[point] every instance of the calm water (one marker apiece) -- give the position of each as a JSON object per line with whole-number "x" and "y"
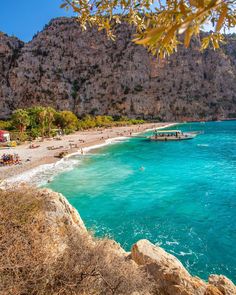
{"x": 184, "y": 199}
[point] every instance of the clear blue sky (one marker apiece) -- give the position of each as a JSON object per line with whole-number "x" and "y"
{"x": 24, "y": 18}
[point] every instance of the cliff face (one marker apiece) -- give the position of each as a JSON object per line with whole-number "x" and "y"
{"x": 9, "y": 52}
{"x": 46, "y": 249}
{"x": 86, "y": 73}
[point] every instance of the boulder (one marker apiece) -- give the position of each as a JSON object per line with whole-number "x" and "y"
{"x": 171, "y": 275}
{"x": 223, "y": 284}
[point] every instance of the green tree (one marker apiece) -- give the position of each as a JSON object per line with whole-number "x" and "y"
{"x": 67, "y": 120}
{"x": 103, "y": 120}
{"x": 159, "y": 24}
{"x": 33, "y": 113}
{"x": 89, "y": 121}
{"x": 20, "y": 119}
{"x": 46, "y": 120}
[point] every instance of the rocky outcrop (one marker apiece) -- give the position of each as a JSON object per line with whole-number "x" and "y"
{"x": 45, "y": 249}
{"x": 172, "y": 277}
{"x": 86, "y": 73}
{"x": 53, "y": 253}
{"x": 224, "y": 285}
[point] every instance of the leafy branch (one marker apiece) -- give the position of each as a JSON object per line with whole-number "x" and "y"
{"x": 159, "y": 24}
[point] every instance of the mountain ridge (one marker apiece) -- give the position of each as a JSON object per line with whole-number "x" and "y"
{"x": 87, "y": 73}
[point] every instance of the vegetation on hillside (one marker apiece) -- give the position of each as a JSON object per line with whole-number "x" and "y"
{"x": 159, "y": 24}
{"x": 38, "y": 121}
{"x": 42, "y": 253}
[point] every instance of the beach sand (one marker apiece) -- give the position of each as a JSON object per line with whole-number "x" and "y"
{"x": 32, "y": 158}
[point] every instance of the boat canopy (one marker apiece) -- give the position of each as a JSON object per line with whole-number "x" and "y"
{"x": 168, "y": 131}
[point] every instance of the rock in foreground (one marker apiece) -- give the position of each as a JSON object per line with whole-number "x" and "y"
{"x": 172, "y": 277}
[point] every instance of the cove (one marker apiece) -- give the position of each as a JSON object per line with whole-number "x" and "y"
{"x": 183, "y": 200}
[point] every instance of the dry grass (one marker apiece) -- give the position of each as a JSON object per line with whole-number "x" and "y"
{"x": 86, "y": 266}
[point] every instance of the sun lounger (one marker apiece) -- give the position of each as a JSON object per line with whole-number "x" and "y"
{"x": 32, "y": 146}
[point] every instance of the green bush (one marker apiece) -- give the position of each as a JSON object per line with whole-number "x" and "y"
{"x": 67, "y": 120}
{"x": 19, "y": 136}
{"x": 5, "y": 125}
{"x": 68, "y": 131}
{"x": 34, "y": 133}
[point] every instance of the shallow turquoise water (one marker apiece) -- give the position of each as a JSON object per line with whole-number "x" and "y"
{"x": 184, "y": 199}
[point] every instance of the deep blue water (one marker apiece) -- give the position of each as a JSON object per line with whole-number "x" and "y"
{"x": 184, "y": 200}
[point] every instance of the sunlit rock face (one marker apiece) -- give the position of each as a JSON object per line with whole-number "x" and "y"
{"x": 171, "y": 276}
{"x": 87, "y": 73}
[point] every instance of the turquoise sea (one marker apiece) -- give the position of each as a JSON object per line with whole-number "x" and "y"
{"x": 183, "y": 200}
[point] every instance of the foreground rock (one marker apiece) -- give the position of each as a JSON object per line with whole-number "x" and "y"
{"x": 172, "y": 277}
{"x": 46, "y": 249}
{"x": 223, "y": 284}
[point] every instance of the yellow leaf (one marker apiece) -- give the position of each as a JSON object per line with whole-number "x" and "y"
{"x": 182, "y": 8}
{"x": 142, "y": 41}
{"x": 169, "y": 36}
{"x": 183, "y": 27}
{"x": 213, "y": 3}
{"x": 222, "y": 17}
{"x": 193, "y": 3}
{"x": 205, "y": 42}
{"x": 187, "y": 37}
{"x": 155, "y": 31}
{"x": 200, "y": 3}
{"x": 215, "y": 44}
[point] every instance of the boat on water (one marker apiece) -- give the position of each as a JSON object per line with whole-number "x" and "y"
{"x": 172, "y": 135}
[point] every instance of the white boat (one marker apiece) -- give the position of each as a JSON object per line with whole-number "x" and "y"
{"x": 172, "y": 135}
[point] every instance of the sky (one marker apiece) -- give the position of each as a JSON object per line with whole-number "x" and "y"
{"x": 24, "y": 18}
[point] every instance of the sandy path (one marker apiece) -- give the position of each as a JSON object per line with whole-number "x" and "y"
{"x": 32, "y": 158}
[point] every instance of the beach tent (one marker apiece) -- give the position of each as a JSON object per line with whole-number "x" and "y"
{"x": 4, "y": 136}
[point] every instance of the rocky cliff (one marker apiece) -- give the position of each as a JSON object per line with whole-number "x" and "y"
{"x": 46, "y": 249}
{"x": 86, "y": 73}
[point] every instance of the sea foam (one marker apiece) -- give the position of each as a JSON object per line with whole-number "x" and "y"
{"x": 45, "y": 173}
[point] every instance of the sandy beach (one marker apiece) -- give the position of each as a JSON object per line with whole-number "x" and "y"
{"x": 31, "y": 158}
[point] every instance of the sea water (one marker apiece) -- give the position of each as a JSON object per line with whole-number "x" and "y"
{"x": 179, "y": 195}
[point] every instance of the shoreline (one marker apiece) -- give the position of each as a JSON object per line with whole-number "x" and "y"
{"x": 33, "y": 159}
